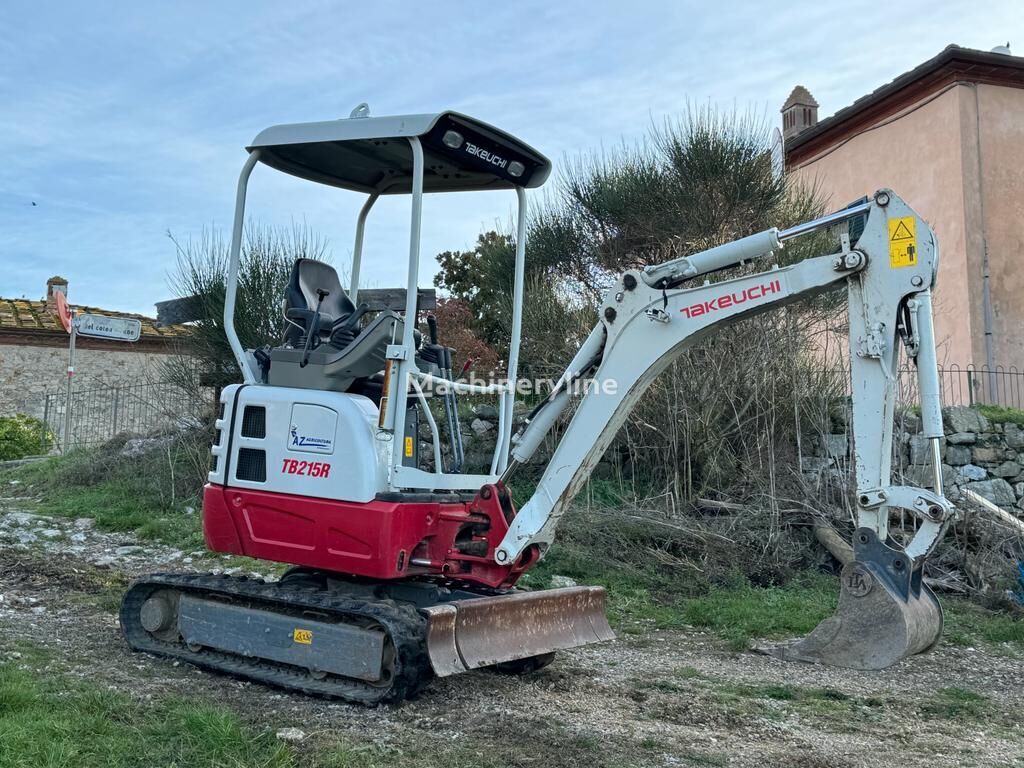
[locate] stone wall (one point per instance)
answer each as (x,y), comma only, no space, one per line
(985,456)
(28,373)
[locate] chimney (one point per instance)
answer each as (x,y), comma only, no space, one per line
(55,285)
(799,113)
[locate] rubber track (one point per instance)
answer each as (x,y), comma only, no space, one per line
(405,627)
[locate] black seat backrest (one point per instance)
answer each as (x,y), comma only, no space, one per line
(307,276)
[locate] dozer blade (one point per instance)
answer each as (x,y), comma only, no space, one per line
(480,632)
(885,613)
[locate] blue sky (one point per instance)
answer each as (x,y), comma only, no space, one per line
(126,121)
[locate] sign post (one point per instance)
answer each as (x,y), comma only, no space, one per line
(73,325)
(96,326)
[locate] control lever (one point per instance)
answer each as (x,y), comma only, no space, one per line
(444,364)
(314,326)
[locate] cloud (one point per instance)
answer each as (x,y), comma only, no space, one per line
(128,120)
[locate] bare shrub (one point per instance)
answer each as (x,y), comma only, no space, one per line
(204,357)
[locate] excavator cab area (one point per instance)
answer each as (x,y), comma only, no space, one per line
(333,342)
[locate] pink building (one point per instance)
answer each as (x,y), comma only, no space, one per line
(948,136)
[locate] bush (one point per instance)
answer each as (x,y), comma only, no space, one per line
(22,436)
(205,358)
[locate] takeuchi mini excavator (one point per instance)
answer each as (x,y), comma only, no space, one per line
(404,566)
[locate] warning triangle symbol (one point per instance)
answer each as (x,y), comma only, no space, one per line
(902,233)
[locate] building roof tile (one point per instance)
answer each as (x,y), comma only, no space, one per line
(25,315)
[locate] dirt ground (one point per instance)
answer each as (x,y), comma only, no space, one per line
(658,698)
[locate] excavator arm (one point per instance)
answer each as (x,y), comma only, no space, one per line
(650,316)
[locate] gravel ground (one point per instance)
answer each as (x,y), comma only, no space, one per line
(661,698)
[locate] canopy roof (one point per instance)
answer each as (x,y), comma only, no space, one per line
(373,154)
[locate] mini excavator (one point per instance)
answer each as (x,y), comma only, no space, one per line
(404,566)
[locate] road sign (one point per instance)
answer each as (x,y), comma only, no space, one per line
(115,328)
(63,311)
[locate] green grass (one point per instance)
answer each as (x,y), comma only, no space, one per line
(675,696)
(743,612)
(55,722)
(116,505)
(140,495)
(956,704)
(641,599)
(1001,415)
(970,624)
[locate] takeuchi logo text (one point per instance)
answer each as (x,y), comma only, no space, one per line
(307,441)
(732,299)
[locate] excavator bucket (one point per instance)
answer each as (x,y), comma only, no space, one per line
(885,613)
(484,631)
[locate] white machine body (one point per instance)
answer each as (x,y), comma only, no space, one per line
(302,442)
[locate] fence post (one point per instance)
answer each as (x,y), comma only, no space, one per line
(117,398)
(46,421)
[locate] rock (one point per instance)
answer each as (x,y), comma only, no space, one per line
(1007,469)
(962,438)
(1013,435)
(560,582)
(921,449)
(958,455)
(291,735)
(51,533)
(998,491)
(971,472)
(486,412)
(128,549)
(84,523)
(139,445)
(38,610)
(1018,489)
(78,538)
(911,421)
(814,464)
(837,446)
(987,455)
(25,519)
(923,477)
(481,427)
(961,418)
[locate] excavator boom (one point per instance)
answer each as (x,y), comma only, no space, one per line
(651,315)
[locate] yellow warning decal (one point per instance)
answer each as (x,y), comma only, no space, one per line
(408,447)
(903,242)
(304,636)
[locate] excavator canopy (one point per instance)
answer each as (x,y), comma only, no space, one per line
(372,154)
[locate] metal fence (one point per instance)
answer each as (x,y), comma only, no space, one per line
(971,386)
(99,413)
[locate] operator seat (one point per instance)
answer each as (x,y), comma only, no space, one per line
(342,356)
(301,298)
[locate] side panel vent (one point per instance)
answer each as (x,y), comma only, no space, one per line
(252,465)
(254,422)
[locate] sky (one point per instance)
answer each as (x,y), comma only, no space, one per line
(122,123)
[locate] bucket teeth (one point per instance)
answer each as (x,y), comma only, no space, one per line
(885,613)
(481,632)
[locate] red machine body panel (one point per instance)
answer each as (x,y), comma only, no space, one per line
(379,539)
